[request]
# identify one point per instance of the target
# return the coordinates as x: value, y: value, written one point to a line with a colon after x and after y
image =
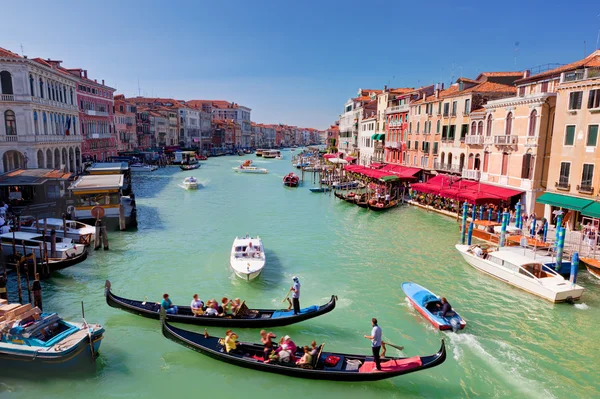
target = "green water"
x: 515, y: 345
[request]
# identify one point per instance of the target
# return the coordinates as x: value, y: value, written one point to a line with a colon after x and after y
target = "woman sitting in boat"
x: 167, y: 305
x: 266, y: 339
x: 227, y: 306
x: 212, y: 308
x: 235, y: 305
x: 197, y: 306
x: 314, y: 349
x: 306, y: 358
x: 446, y: 309
x: 231, y: 345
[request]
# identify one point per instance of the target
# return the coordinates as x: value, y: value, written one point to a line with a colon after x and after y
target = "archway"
x: 442, y: 158
x: 40, y: 159
x: 477, y: 163
x: 49, y: 159
x: 471, y: 162
x: 449, y: 162
x: 12, y: 160
x: 462, y: 161
x: 71, y: 160
x: 56, y: 159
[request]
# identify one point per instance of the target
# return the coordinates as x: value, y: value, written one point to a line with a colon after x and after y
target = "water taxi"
x: 271, y: 153
x: 291, y: 180
x: 79, y: 232
x: 429, y: 306
x: 246, y: 167
x: 140, y: 167
x: 247, y: 261
x: 259, y: 152
x: 190, y: 183
x: 523, y: 272
x: 105, y: 192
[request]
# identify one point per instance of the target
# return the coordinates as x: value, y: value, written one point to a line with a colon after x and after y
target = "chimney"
x: 423, y: 95
x: 437, y: 90
x: 527, y: 73
x: 442, y: 87
x: 95, y: 81
x: 384, y: 87
x: 85, y: 73
x: 102, y: 82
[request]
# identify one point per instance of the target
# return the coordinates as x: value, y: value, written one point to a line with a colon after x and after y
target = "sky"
x: 295, y: 62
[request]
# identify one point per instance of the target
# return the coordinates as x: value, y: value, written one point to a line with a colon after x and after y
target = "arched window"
x: 10, y: 123
x: 6, y: 82
x: 480, y: 128
x: 489, y: 126
x: 65, y: 94
x: 45, y: 122
x: 36, y: 125
x: 486, y: 161
x: 60, y: 94
x: 504, y: 171
x: 532, y: 122
x: 31, y: 85
x: 41, y: 88
x: 474, y: 128
x: 72, y: 97
x: 509, y: 120
x: 442, y: 158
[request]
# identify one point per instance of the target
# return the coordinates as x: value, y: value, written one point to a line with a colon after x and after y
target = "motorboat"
x: 189, y: 167
x: 140, y: 167
x: 325, y: 365
x: 26, y: 242
x: 279, y: 157
x: 250, y: 169
x: 300, y: 165
x: 31, y: 339
x: 271, y: 153
x: 323, y: 189
x: 429, y: 306
x: 346, y: 185
x: 291, y: 180
x: 244, y: 317
x: 592, y: 265
x: 190, y: 183
x: 247, y: 261
x: 523, y: 272
x: 77, y: 231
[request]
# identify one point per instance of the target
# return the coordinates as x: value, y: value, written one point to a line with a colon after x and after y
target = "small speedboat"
x: 140, y: 167
x: 250, y: 169
x: 325, y: 365
x: 190, y: 183
x: 78, y: 232
x: 319, y: 189
x: 291, y: 180
x: 279, y: 157
x: 429, y: 305
x: 33, y: 339
x: 189, y: 167
x: 30, y: 243
x: 247, y: 257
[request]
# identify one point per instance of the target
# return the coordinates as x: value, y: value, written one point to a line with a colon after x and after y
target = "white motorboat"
x: 279, y: 157
x: 523, y: 272
x: 190, y: 183
x: 250, y: 169
x: 78, y: 232
x: 245, y: 261
x: 65, y: 248
x: 140, y: 167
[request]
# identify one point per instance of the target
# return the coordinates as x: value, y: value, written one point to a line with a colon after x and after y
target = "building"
x: 159, y: 128
x: 142, y: 121
x: 225, y: 110
x: 366, y: 134
x: 573, y: 180
x: 96, y: 104
x: 350, y: 120
x: 38, y: 111
x: 125, y: 124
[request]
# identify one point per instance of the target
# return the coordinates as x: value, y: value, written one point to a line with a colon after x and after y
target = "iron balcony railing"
x: 471, y: 174
x: 474, y: 140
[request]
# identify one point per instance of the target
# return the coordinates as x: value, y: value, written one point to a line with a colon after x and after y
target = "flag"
x: 68, y: 125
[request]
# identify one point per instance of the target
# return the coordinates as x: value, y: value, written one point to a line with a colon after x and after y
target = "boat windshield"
x: 97, y: 199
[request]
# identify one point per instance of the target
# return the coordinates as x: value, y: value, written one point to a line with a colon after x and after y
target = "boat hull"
x: 189, y: 167
x: 441, y: 323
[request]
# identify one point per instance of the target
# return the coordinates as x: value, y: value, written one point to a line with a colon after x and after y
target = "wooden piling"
x: 97, y: 237
x: 53, y: 243
x: 37, y: 292
x: 122, y: 224
x: 104, y: 237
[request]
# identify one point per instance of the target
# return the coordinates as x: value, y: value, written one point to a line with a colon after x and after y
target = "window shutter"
x: 525, y: 166
x: 579, y: 99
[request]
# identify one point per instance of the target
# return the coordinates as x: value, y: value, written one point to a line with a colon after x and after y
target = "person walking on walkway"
x: 375, y: 338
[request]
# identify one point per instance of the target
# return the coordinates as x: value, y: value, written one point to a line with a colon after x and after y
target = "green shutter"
x: 592, y: 137
x: 570, y: 135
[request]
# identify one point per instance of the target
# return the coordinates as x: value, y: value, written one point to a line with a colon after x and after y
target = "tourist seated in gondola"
x: 227, y: 306
x: 167, y: 305
x: 230, y: 343
x: 235, y: 305
x: 197, y: 305
x: 212, y: 308
x: 306, y: 358
x: 285, y: 355
x: 266, y: 339
x: 314, y: 349
x: 287, y: 341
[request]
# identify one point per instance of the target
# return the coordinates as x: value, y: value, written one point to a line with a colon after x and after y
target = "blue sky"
x: 294, y: 62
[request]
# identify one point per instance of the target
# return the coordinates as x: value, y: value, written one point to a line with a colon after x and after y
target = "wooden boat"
x: 35, y: 340
x: 347, y: 367
x: 362, y: 201
x: 246, y: 318
x: 381, y: 206
x: 291, y: 180
x: 54, y: 264
x: 77, y: 231
x: 189, y: 167
x: 592, y: 265
x: 426, y: 303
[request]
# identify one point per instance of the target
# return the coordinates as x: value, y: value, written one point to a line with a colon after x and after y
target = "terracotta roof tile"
x: 9, y: 54
x: 592, y: 60
x: 515, y: 73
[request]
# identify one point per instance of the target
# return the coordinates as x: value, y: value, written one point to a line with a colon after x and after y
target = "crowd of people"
x: 226, y: 308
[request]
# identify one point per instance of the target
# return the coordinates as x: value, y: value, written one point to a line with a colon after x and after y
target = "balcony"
x: 471, y: 174
x: 95, y: 113
x: 585, y: 189
x: 506, y: 140
x: 581, y: 74
x: 32, y: 138
x: 446, y: 167
x: 38, y: 100
x: 562, y: 185
x: 91, y: 136
x: 397, y: 108
x: 474, y: 140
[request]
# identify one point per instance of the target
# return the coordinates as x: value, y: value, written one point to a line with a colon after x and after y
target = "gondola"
x: 247, y: 318
x: 190, y: 167
x: 378, y: 206
x: 362, y: 201
x: 325, y: 366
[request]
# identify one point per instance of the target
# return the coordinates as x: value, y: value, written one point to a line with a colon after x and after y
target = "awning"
x: 350, y: 159
x: 564, y: 201
x: 388, y: 179
x: 328, y: 156
x: 403, y: 172
x: 496, y: 191
x: 375, y: 136
x: 592, y: 210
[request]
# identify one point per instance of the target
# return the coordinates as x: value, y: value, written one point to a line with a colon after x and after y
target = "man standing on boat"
x: 296, y: 294
x: 375, y: 338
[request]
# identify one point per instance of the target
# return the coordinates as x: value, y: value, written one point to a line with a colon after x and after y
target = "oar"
x: 286, y: 297
x: 400, y: 348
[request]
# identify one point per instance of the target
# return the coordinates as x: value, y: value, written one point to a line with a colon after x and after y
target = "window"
x: 408, y: 145
x: 418, y: 125
x: 444, y: 132
x: 479, y: 129
x: 6, y: 82
x: 575, y: 100
x: 527, y: 167
x: 504, y: 171
x: 486, y: 161
x: 419, y: 113
x: 446, y: 108
x: 416, y: 145
x: 439, y: 108
x: 586, y: 176
x: 31, y: 85
x: 521, y: 91
x: 410, y: 128
x: 594, y: 99
x: 454, y: 105
x: 36, y: 123
x: 509, y: 119
x: 464, y: 130
x: 544, y: 88
x: 451, y: 132
x: 473, y: 127
x: 565, y: 170
x: 570, y: 135
x: 437, y: 130
x: 489, y: 126
x: 435, y: 148
x: 592, y: 136
x: 532, y: 123
x: 41, y: 88
x: 10, y: 123
x: 467, y: 106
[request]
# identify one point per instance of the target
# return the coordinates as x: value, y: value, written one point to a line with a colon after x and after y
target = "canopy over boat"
x: 325, y: 365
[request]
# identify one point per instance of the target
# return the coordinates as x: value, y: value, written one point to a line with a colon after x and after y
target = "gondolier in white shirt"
x: 296, y: 294
x: 375, y: 338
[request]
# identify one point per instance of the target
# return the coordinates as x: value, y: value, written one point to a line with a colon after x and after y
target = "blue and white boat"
x: 426, y: 303
x: 319, y: 189
x: 46, y: 341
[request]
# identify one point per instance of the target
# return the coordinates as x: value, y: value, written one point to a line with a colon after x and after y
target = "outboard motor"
x: 455, y: 324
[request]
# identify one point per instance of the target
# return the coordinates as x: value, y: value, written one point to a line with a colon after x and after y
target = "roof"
x: 9, y: 54
x: 592, y: 60
x: 108, y: 166
x: 32, y: 177
x: 496, y: 74
x: 513, y: 257
x: 97, y: 182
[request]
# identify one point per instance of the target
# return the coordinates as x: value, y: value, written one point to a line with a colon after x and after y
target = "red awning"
x: 436, y: 184
x: 376, y: 165
x: 350, y: 159
x: 403, y: 172
x: 373, y: 173
x: 500, y: 192
x: 328, y: 156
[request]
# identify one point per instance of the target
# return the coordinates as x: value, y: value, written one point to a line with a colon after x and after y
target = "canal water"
x: 515, y: 345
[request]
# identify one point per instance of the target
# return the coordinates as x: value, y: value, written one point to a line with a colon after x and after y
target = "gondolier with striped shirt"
x: 375, y: 338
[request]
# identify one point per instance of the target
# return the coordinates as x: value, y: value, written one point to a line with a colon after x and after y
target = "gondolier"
x: 296, y: 295
x: 375, y: 338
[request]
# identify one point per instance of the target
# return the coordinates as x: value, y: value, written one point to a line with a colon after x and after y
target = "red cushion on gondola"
x: 392, y: 365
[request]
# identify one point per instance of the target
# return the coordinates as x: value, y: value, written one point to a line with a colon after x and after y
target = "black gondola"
x: 346, y: 367
x: 54, y: 264
x: 190, y: 167
x: 362, y: 201
x: 378, y: 206
x: 249, y: 318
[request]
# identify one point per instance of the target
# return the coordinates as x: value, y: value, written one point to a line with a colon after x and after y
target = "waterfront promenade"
x: 515, y: 345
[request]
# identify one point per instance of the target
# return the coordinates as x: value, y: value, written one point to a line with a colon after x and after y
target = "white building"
x: 39, y: 118
x: 189, y: 126
x: 366, y: 144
